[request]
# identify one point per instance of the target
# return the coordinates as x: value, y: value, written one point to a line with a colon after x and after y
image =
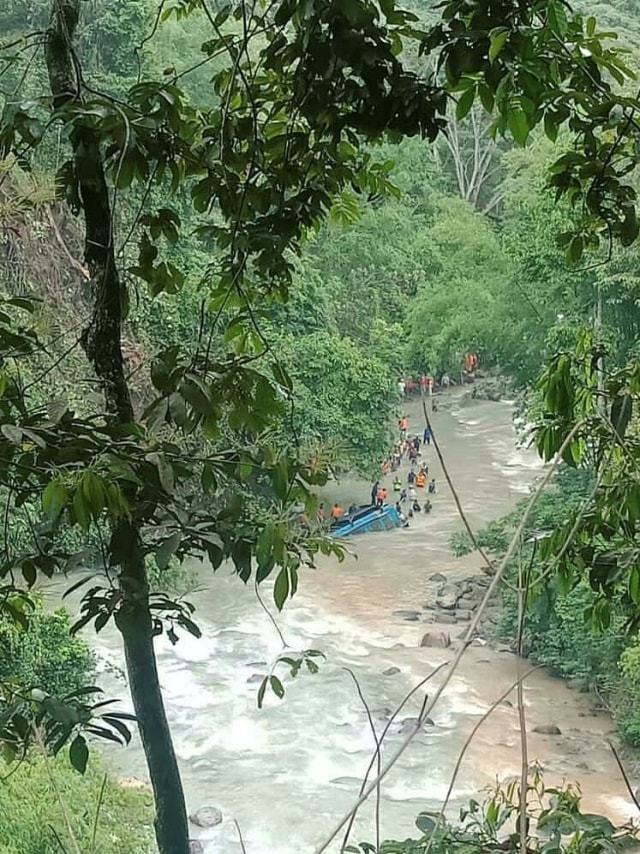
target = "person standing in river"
x: 374, y: 492
x: 426, y: 436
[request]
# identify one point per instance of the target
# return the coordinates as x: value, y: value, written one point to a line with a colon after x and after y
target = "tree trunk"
x: 102, y: 344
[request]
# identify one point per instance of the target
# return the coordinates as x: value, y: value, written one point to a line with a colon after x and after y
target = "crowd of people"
x: 424, y: 385
x: 412, y: 496
x: 409, y: 496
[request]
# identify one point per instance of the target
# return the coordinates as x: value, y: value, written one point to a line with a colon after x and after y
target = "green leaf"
x: 167, y: 549
x: 557, y: 18
x: 165, y: 471
x: 80, y: 510
x: 498, y: 40
x: 281, y: 588
x: 54, y: 498
x: 345, y: 209
x: 262, y: 691
x: 575, y: 249
x: 79, y: 754
x: 281, y: 479
x: 465, y: 102
x: 550, y: 127
x: 621, y: 412
x: 94, y: 492
x: 12, y: 433
x: 518, y: 125
x: 487, y: 97
x: 277, y: 687
x: 425, y: 823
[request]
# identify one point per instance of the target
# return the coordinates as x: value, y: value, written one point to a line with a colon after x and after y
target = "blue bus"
x: 367, y: 518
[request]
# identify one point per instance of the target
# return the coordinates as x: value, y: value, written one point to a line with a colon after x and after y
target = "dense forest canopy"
x: 227, y: 230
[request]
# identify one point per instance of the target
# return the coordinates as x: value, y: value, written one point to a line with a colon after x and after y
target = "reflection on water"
x: 289, y: 771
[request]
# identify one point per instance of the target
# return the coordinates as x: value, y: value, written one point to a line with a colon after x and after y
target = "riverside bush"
x: 104, y: 817
x: 555, y: 824
x: 557, y: 631
x: 558, y: 635
x: 625, y: 697
x: 45, y: 655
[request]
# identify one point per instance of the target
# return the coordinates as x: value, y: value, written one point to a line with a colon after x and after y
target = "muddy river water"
x: 288, y: 772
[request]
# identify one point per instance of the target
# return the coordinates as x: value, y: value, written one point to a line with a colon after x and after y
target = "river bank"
x: 287, y: 771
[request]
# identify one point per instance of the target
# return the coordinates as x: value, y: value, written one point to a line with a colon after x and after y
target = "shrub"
x: 625, y: 696
x: 45, y: 655
x: 558, y: 635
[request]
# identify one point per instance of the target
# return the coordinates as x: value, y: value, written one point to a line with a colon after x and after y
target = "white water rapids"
x: 288, y: 772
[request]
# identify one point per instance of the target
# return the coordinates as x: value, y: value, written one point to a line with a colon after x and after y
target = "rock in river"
x: 254, y: 679
x: 206, y: 817
x: 134, y: 783
x: 196, y: 847
x: 448, y: 596
x: 410, y: 616
x: 439, y: 640
x: 391, y: 671
x: 409, y: 724
x: 547, y: 729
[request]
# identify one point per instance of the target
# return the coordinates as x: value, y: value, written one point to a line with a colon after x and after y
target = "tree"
x: 279, y: 150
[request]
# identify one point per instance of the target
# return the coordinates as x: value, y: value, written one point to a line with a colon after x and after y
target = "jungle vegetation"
x: 218, y: 254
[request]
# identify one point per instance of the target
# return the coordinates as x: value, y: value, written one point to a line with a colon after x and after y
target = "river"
x: 288, y: 772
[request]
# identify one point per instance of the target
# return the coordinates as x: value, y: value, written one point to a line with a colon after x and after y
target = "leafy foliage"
x: 44, y: 655
x: 557, y: 824
x: 281, y: 142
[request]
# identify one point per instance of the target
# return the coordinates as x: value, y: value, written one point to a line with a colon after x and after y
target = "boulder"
x: 133, y: 783
x: 438, y: 577
x: 391, y: 671
x: 409, y: 724
x: 463, y: 616
x: 448, y: 596
x: 256, y: 664
x: 410, y: 616
x: 547, y: 729
x: 445, y: 617
x: 507, y: 703
x: 206, y: 817
x: 384, y: 712
x: 436, y: 640
x: 196, y: 847
x: 255, y: 678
